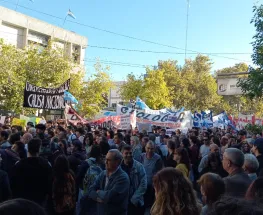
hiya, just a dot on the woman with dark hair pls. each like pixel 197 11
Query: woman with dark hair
pixel 174 194
pixel 186 145
pixel 212 188
pixel 216 141
pixel 88 143
pixel 255 191
pixel 104 146
pixel 183 161
pixel 214 165
pixel 63 146
pixel 194 150
pixel 21 207
pixel 245 147
pixel 110 136
pixel 63 192
pixel 169 161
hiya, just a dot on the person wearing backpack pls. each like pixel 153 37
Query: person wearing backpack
pixel 87 173
pixel 63 187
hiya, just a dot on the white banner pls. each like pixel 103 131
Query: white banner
pixel 181 119
pixel 2 120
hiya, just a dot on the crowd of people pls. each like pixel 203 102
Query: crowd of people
pixel 66 170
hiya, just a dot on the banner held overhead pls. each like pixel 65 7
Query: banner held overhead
pixel 45 98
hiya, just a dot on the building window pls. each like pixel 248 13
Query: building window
pixel 76 53
pixel 114 105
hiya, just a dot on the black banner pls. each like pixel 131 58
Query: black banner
pixel 45 98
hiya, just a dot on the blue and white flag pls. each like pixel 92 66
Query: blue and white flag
pixel 223 119
pixel 71 14
pixel 141 104
pixel 197 119
pixel 69 97
pixel 207 119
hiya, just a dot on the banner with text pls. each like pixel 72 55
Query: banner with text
pixel 181 119
pixel 123 122
pixel 45 98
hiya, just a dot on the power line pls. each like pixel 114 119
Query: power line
pixel 122 35
pixel 165 52
pixel 116 63
pixel 145 51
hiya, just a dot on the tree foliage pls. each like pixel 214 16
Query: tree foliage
pixel 252 87
pixel 155 91
pixel 132 88
pixel 46 68
pixel 95 91
pixel 190 86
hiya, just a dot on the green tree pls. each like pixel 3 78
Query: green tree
pixel 155 91
pixel 197 89
pixel 95 92
pixel 48 68
pixel 132 88
pixel 252 87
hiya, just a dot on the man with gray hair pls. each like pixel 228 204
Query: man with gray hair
pixel 32 131
pixel 237 181
pixel 111 188
pixel 250 166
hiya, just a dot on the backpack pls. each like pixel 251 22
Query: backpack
pixel 91 175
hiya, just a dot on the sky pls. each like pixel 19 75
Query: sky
pixel 217 26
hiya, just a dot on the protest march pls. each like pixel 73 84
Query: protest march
pixel 131 107
pixel 126 161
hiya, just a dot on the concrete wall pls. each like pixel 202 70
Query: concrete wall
pixel 26 22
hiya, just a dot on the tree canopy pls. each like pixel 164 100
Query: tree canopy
pixel 48 67
pixel 252 87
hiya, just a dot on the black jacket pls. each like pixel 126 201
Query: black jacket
pixel 31 179
pixel 5 191
pixel 260 168
pixel 76 159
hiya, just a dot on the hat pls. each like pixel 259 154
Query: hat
pixel 259 144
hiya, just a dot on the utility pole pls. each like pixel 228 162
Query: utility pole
pixel 186 31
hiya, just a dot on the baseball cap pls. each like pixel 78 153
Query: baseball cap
pixel 259 143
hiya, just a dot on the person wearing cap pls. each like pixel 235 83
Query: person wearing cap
pixel 78 155
pixel 4 144
pixel 257 150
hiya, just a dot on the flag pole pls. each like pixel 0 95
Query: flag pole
pixel 186 33
pixel 17 4
pixel 65 20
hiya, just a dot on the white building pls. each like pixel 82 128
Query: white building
pixel 114 94
pixel 21 30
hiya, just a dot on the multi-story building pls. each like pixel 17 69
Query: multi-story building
pixel 21 30
pixel 114 97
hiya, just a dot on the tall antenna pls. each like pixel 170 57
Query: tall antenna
pixel 186 33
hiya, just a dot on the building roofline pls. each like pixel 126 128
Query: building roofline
pixel 24 21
